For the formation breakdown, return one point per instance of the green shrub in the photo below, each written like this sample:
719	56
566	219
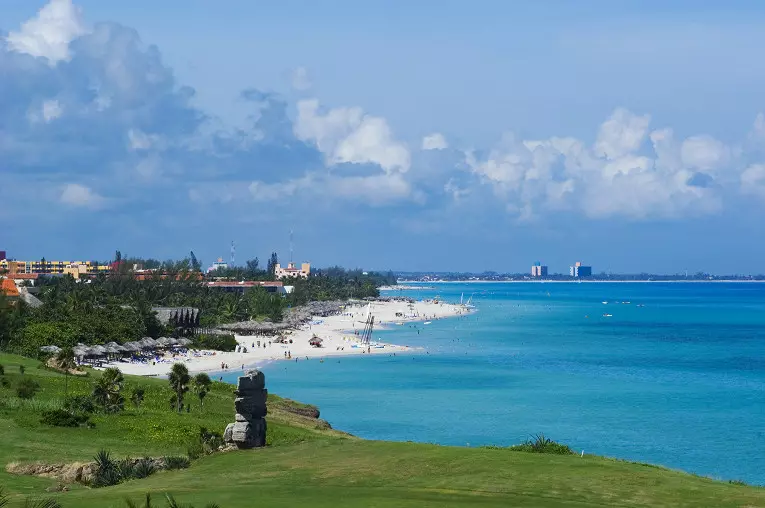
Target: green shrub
541	444
216	342
5	383
80	404
194	450
64	418
176	462
27	388
210	440
2	370
22	369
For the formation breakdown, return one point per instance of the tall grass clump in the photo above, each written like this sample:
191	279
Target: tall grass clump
176	462
541	444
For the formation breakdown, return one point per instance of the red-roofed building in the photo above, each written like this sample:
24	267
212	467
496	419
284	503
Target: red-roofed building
9	289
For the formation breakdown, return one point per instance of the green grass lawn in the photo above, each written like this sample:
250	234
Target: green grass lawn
306	464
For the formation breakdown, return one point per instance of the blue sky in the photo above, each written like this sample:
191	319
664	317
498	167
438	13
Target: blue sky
404	135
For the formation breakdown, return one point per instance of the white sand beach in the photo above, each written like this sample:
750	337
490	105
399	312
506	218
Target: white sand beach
338	333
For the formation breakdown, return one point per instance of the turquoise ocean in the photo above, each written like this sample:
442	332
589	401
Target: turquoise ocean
675	377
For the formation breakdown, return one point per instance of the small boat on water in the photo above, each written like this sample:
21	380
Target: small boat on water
427	322
607	315
604	303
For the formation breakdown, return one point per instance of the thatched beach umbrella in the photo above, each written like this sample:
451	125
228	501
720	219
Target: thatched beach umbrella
50	349
98	350
131	347
148	343
81	350
185	342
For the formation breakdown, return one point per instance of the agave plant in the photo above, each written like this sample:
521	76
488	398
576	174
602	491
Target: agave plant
171	503
41	503
143	468
107	470
3	498
176	462
540	443
146	503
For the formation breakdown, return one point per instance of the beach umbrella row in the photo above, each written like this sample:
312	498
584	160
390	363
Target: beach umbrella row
112	348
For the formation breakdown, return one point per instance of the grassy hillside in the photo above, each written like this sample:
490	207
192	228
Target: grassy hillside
306	463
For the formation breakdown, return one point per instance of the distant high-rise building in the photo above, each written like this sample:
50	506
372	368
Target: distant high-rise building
579	270
538	270
3	255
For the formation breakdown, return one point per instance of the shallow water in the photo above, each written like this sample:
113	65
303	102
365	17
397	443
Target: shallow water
678	381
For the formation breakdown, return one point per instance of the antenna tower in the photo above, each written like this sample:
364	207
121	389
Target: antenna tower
233	252
290	246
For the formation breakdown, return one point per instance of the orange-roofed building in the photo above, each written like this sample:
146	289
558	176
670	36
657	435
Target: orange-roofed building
9	288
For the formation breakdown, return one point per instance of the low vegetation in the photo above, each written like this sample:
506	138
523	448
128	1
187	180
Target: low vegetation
151	447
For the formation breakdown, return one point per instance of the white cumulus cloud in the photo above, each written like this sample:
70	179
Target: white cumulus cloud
49	33
435	141
350	135
77	195
753	180
619	176
621	134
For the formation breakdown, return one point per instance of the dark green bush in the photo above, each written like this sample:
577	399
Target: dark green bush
64	418
216	342
210	440
2	370
80	404
27	388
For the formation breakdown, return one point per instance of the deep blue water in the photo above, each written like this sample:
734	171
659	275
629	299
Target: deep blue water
678	381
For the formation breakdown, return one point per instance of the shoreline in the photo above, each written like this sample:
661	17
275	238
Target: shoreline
530	281
340	334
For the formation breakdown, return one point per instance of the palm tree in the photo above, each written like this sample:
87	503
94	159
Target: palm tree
202	385
179	381
108	390
65	360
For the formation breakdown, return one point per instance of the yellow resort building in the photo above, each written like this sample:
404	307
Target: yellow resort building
73	268
291	270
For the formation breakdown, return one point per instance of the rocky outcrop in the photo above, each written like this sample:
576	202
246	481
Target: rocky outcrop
76	472
249	427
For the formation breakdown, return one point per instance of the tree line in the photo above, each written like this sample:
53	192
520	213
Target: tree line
117	307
